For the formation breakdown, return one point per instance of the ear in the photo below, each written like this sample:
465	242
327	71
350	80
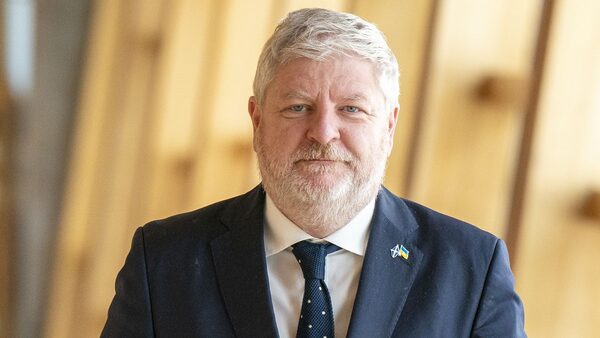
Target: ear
391	127
254	112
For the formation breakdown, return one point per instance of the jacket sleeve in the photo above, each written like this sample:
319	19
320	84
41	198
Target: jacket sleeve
500	312
130	313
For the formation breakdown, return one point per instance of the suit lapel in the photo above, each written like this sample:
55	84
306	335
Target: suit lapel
239	258
385	281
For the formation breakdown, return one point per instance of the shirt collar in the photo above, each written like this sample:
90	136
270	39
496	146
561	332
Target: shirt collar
281	233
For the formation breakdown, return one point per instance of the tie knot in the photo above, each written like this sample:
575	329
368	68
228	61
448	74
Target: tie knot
311	257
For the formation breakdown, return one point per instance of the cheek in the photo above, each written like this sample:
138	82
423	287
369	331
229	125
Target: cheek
365	142
362	141
282	139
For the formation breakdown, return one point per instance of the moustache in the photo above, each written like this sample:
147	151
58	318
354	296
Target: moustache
317	151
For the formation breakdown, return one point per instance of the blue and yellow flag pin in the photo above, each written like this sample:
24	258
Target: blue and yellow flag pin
404	252
400	250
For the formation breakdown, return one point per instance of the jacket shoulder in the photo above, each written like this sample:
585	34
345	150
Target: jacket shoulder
203	224
438	232
442	227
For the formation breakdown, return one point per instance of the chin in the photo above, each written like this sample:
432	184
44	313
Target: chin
323	182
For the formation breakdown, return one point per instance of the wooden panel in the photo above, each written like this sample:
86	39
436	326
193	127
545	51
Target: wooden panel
338	5
6	199
184	89
96	219
226	165
405	24
81	191
127	139
6	217
559	252
472	117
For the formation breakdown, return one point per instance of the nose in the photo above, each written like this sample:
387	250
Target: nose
323	125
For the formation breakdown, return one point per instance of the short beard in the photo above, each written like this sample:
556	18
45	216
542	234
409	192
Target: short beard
314	204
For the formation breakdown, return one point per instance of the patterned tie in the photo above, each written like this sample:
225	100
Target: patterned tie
316	315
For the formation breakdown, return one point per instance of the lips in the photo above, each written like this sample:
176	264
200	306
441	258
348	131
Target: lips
321	164
318	160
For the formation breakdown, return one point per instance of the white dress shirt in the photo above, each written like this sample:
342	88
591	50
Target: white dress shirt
342	268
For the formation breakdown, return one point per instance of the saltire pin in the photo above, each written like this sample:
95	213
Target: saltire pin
400	251
395	251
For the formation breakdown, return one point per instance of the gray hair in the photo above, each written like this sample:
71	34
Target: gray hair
321	34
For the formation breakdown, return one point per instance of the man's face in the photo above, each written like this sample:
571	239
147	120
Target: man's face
323	131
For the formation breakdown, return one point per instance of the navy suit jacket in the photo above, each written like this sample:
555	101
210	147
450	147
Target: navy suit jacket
203	274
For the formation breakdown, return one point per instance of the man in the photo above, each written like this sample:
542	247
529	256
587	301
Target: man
324	112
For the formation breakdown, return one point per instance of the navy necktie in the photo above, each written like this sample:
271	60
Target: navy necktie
316	315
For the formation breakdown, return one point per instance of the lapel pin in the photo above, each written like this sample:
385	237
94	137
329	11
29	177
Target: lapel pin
400	251
404	252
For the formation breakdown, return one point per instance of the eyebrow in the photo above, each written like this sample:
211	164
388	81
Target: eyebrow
304	96
297	95
355	97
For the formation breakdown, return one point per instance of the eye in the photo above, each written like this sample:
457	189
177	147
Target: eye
351	109
298	108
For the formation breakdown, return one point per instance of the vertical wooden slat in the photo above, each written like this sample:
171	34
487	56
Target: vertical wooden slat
112	116
521	180
558	265
224	164
422	93
109	238
468	141
6	216
188	73
6	199
83	186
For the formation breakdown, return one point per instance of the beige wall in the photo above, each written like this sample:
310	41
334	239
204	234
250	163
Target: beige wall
162	128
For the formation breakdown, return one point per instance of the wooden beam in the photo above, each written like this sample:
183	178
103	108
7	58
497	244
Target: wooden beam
520	182
422	94
84	177
6	200
558	249
465	144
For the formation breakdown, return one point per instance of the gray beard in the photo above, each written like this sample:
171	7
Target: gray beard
309	204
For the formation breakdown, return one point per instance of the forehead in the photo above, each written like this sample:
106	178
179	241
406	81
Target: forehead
337	76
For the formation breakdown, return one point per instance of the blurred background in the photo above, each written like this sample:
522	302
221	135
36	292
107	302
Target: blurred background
113	113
